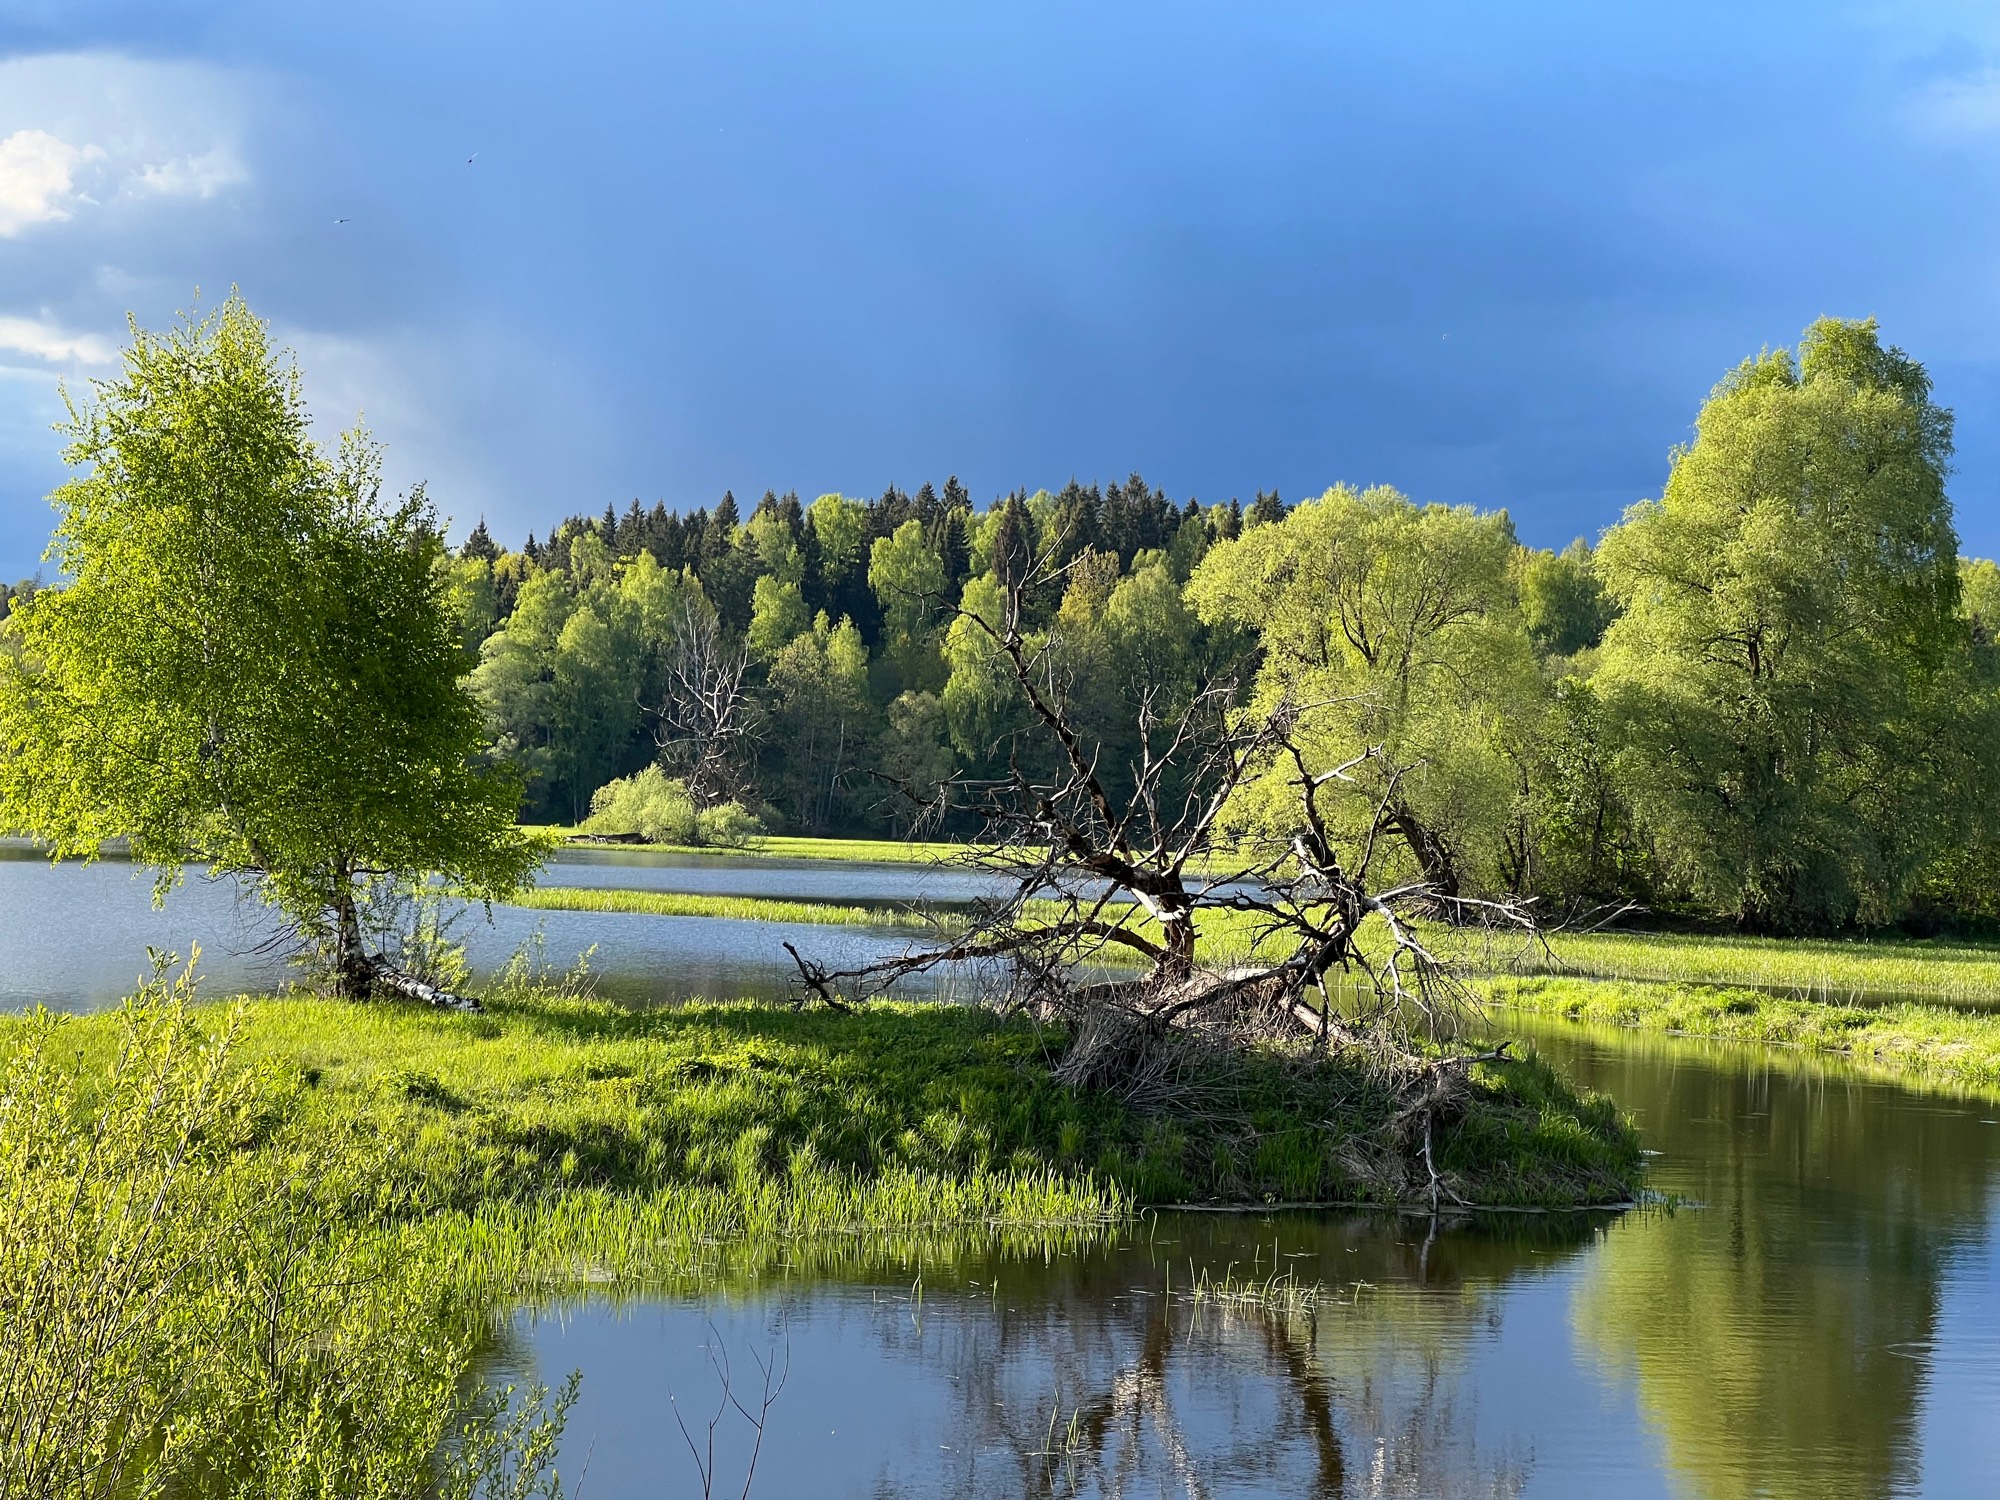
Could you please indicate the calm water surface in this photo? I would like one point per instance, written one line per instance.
(1828, 1324)
(1825, 1324)
(74, 937)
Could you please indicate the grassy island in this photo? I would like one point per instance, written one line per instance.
(898, 1115)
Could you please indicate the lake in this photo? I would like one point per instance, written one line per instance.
(1818, 1318)
(74, 936)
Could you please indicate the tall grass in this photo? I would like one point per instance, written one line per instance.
(189, 1300)
(733, 908)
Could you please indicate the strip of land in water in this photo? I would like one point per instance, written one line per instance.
(1930, 1042)
(789, 847)
(732, 908)
(897, 1116)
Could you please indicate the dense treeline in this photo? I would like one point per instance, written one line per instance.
(1771, 695)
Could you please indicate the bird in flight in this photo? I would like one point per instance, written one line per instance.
(340, 221)
(472, 158)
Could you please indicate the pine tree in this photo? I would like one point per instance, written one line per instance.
(1011, 546)
(1268, 508)
(479, 545)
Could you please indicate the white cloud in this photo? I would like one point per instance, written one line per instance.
(45, 341)
(37, 173)
(192, 176)
(1962, 106)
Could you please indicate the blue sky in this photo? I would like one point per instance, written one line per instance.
(1487, 253)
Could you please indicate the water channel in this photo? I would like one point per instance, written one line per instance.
(1821, 1319)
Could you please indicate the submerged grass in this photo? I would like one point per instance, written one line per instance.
(1929, 1041)
(734, 908)
(792, 846)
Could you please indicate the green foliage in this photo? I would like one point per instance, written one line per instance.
(194, 1305)
(1563, 603)
(908, 579)
(659, 809)
(1399, 622)
(253, 663)
(1789, 679)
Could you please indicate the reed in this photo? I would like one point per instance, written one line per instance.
(730, 908)
(795, 846)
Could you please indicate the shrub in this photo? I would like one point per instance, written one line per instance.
(660, 811)
(188, 1301)
(729, 826)
(649, 804)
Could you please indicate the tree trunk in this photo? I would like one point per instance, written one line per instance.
(357, 975)
(353, 975)
(1433, 855)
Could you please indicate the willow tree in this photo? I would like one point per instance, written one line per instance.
(1789, 677)
(251, 665)
(1394, 630)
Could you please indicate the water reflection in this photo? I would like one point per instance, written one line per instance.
(1785, 1330)
(1824, 1326)
(1093, 1373)
(74, 937)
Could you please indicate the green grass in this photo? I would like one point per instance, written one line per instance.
(1931, 1042)
(1834, 970)
(787, 846)
(734, 908)
(608, 1126)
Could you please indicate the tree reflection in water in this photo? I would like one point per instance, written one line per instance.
(1096, 1372)
(1119, 1387)
(1768, 1334)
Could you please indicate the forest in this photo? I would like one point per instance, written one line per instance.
(1769, 697)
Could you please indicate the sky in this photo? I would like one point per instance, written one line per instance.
(565, 256)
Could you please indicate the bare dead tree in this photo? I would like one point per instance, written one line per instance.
(1088, 875)
(703, 721)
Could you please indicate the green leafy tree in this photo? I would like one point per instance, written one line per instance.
(908, 580)
(253, 665)
(1979, 590)
(1396, 623)
(777, 616)
(1788, 677)
(1563, 602)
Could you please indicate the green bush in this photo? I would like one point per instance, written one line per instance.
(729, 826)
(189, 1300)
(659, 809)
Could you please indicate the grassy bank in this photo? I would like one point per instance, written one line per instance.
(787, 846)
(900, 1114)
(744, 1119)
(1830, 970)
(1836, 970)
(1929, 1042)
(733, 908)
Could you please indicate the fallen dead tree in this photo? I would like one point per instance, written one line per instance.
(1098, 926)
